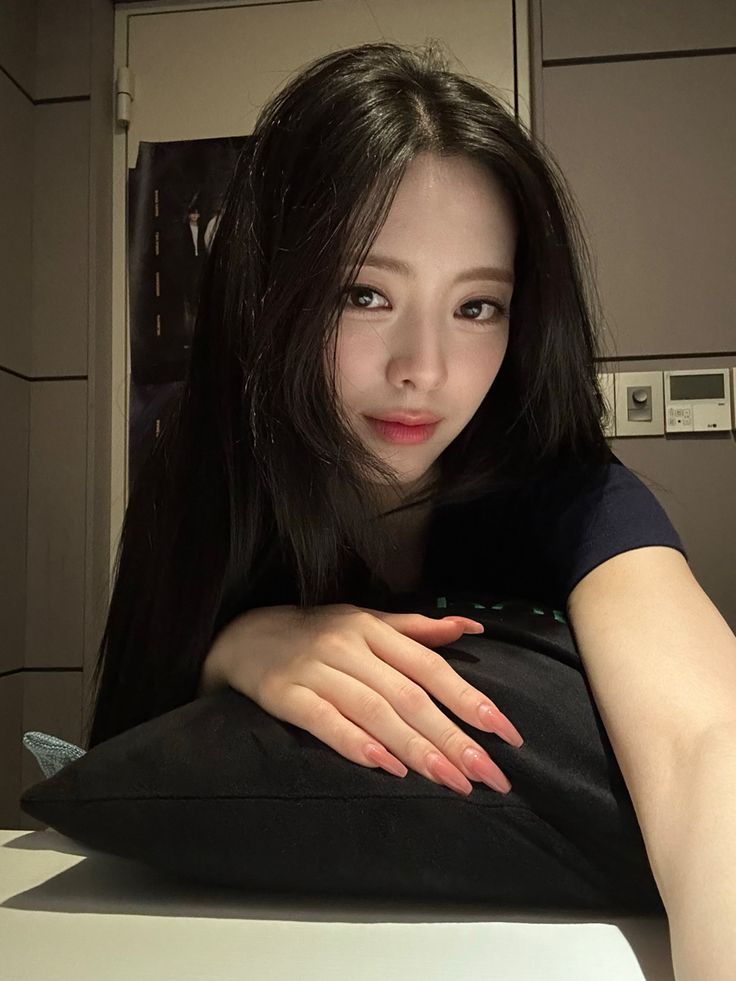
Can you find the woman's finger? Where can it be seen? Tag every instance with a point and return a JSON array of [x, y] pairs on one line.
[[401, 715], [365, 707], [432, 672], [415, 622], [301, 707]]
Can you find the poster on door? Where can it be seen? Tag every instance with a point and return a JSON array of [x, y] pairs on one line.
[[175, 197]]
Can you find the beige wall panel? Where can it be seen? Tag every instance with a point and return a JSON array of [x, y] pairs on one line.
[[16, 189], [99, 386], [14, 437], [188, 102], [62, 48], [56, 524], [698, 476], [650, 171], [51, 703], [60, 239], [11, 724], [535, 68], [18, 41], [585, 28]]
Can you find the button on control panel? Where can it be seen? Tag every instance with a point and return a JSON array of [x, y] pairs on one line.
[[682, 417]]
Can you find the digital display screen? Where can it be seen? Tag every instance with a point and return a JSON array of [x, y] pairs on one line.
[[697, 387]]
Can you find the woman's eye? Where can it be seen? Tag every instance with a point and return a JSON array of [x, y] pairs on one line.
[[362, 293], [498, 308]]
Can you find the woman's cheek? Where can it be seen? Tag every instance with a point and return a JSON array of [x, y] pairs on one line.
[[360, 352], [480, 365], [354, 362]]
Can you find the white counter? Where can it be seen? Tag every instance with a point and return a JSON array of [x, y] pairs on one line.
[[72, 914]]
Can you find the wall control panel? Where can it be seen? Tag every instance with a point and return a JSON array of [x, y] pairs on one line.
[[639, 403], [697, 400], [654, 403]]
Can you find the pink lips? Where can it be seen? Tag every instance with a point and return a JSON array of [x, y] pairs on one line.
[[396, 432], [408, 418]]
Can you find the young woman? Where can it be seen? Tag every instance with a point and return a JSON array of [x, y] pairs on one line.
[[267, 475], [394, 244]]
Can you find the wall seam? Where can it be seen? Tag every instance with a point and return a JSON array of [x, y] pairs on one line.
[[638, 56]]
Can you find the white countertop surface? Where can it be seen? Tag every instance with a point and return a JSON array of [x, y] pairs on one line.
[[72, 914]]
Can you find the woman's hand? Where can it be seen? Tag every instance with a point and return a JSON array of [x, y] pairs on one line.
[[357, 679]]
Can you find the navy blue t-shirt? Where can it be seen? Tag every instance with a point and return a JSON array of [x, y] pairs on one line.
[[537, 543]]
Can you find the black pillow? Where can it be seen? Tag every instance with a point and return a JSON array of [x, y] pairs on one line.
[[222, 792]]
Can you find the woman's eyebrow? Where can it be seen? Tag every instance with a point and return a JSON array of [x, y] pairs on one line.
[[480, 272]]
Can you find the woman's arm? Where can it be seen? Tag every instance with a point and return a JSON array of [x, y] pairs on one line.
[[700, 868], [661, 662], [213, 675]]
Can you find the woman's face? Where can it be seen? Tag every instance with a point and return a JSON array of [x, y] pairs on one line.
[[430, 338]]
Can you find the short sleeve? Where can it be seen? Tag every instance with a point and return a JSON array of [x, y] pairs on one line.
[[581, 516], [538, 540]]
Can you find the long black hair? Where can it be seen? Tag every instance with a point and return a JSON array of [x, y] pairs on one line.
[[255, 462]]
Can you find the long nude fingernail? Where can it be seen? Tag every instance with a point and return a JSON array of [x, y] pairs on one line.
[[484, 768], [441, 769], [469, 626], [377, 754], [498, 722]]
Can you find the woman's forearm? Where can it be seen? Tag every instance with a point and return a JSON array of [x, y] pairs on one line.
[[213, 674], [699, 874]]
